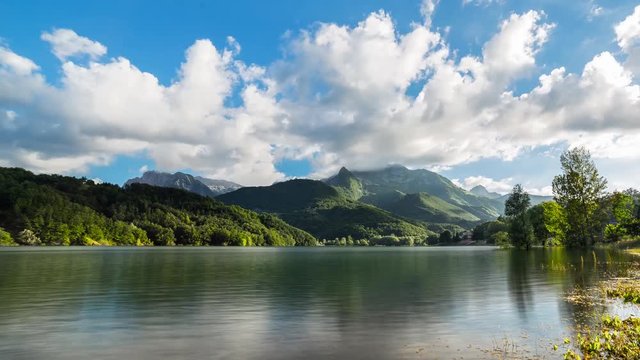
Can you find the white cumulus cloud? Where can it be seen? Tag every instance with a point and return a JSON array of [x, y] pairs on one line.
[[501, 186], [339, 96], [628, 31], [66, 43]]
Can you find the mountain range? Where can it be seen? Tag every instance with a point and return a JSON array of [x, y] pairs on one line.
[[393, 200], [420, 195], [195, 184], [482, 191], [323, 211]]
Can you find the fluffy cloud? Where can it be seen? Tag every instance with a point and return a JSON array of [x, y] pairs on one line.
[[502, 186], [341, 95], [427, 9], [105, 109], [628, 37], [66, 43], [628, 31], [351, 83], [15, 63], [351, 97]]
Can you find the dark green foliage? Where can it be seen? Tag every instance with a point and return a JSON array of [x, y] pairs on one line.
[[633, 227], [284, 197], [57, 210], [321, 210], [486, 231], [536, 218], [515, 208], [438, 228], [446, 237]]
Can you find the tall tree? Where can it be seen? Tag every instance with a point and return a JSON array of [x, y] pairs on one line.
[[578, 190], [515, 208]]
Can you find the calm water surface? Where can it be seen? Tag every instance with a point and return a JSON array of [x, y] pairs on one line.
[[298, 303]]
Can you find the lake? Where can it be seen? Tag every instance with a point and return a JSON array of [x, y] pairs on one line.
[[291, 303]]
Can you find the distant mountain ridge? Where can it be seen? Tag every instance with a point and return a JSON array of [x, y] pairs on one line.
[[322, 210], [420, 195], [199, 185], [219, 187], [535, 199], [482, 191]]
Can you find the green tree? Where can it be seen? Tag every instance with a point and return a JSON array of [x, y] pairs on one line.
[[579, 190], [515, 208], [501, 238], [633, 228], [555, 220], [622, 207], [536, 217], [446, 237], [5, 238], [619, 215], [548, 221], [485, 231]]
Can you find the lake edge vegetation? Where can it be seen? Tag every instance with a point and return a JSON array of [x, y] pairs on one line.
[[582, 214]]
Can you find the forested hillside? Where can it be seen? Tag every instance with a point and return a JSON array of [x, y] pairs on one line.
[[58, 210], [323, 211]]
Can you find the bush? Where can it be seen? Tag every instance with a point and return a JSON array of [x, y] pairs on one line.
[[5, 238], [501, 239], [27, 237]]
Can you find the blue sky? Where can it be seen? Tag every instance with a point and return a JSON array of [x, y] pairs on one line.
[[336, 124]]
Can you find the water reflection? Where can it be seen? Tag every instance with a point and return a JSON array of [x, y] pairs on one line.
[[519, 287], [285, 303]]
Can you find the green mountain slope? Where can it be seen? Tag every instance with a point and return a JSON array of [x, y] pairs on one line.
[[423, 181], [347, 184], [416, 194], [284, 197], [431, 209], [322, 210], [58, 210]]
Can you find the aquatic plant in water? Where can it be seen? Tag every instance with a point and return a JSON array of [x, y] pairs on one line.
[[616, 339]]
